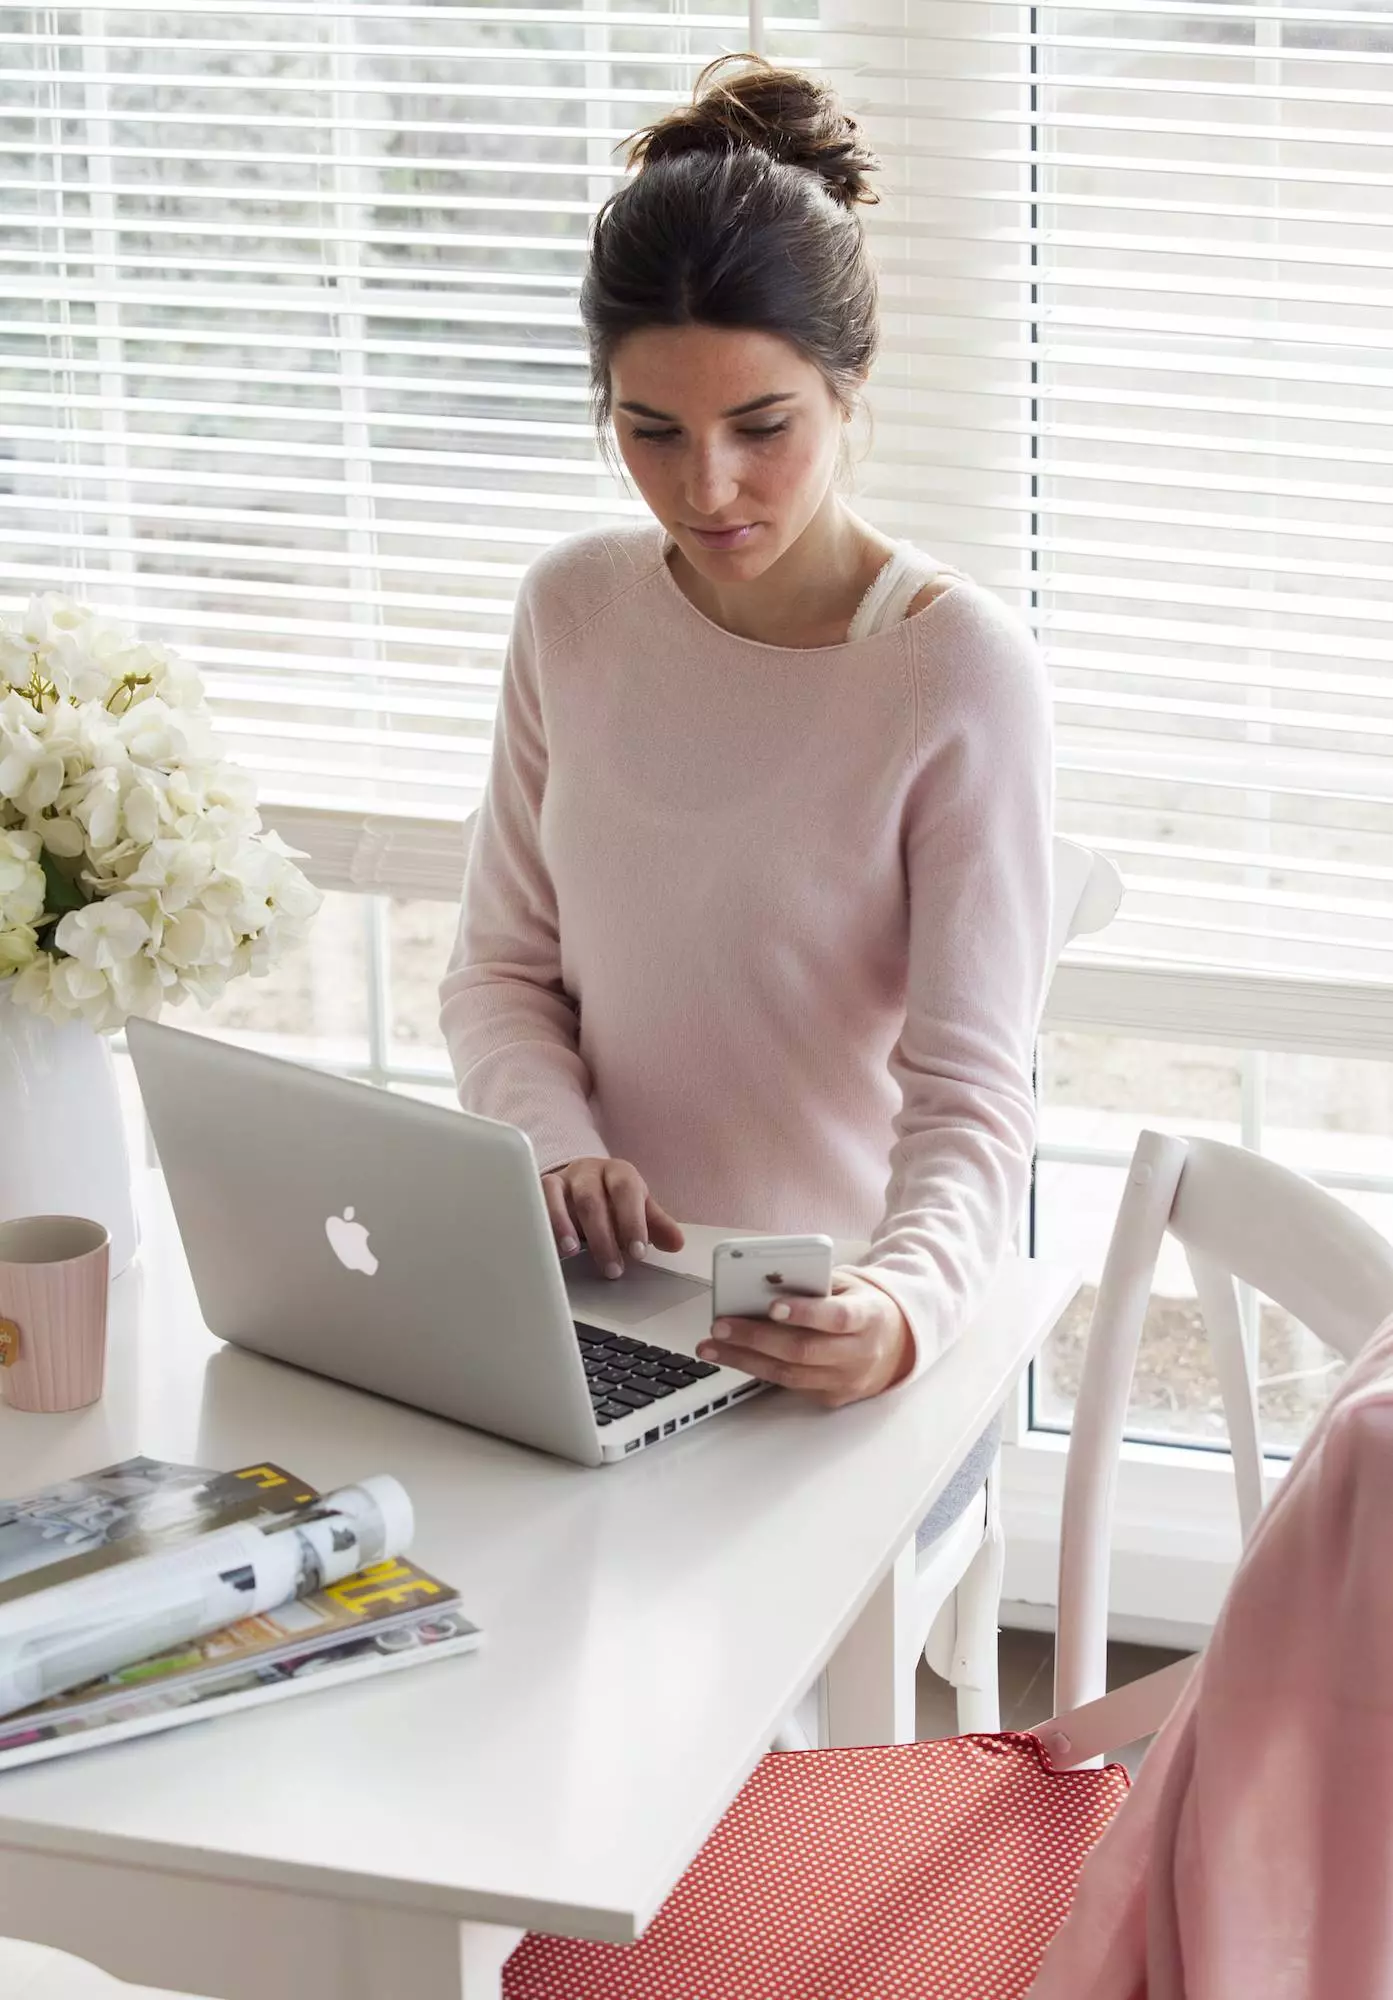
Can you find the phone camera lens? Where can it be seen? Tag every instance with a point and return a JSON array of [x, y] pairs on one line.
[[737, 1253]]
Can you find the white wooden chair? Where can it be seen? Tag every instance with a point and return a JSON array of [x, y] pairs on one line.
[[1242, 1220], [946, 1866]]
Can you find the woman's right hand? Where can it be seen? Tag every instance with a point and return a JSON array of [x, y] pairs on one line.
[[605, 1204]]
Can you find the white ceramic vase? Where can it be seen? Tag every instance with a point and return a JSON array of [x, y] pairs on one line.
[[62, 1138]]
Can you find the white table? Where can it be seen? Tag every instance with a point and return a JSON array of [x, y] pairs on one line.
[[648, 1627]]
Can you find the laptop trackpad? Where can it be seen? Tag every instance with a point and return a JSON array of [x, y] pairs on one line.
[[644, 1291]]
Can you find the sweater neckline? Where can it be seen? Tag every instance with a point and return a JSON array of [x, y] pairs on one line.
[[664, 543]]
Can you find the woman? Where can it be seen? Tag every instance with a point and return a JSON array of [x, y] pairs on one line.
[[756, 914]]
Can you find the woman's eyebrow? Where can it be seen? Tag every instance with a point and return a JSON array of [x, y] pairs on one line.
[[761, 403], [740, 410]]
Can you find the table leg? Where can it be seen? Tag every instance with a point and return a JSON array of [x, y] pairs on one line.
[[430, 1958], [231, 1941], [484, 1951], [870, 1677]]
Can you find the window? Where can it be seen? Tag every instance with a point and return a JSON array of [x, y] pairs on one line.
[[1136, 260], [290, 367], [290, 371]]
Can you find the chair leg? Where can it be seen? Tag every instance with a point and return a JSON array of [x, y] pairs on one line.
[[977, 1603], [804, 1727]]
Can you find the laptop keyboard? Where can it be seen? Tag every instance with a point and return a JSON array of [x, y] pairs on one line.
[[626, 1375]]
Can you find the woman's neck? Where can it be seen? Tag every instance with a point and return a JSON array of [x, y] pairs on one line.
[[808, 597]]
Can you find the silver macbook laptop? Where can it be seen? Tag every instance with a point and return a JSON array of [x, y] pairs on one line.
[[406, 1249]]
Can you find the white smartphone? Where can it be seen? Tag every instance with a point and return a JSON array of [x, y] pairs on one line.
[[749, 1273]]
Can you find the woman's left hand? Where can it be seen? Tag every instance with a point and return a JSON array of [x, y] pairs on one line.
[[837, 1350]]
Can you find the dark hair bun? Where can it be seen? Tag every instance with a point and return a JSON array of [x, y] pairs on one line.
[[781, 112]]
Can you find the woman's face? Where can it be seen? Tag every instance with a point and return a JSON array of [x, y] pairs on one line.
[[731, 436]]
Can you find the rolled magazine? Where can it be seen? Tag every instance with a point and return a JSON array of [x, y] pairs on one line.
[[72, 1632]]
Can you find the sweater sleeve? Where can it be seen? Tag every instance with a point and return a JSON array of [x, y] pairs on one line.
[[511, 1027], [977, 848]]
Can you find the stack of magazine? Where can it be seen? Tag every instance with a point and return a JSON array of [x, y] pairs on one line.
[[387, 1616]]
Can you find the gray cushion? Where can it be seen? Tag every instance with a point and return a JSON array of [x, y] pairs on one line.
[[962, 1489]]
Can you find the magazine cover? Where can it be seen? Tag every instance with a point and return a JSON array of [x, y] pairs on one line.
[[131, 1509], [169, 1704], [377, 1601]]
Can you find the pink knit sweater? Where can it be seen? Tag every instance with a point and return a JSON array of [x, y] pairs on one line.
[[771, 923]]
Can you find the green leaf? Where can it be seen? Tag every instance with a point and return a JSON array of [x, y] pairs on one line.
[[62, 891]]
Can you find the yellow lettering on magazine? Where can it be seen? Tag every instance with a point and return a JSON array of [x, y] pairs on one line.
[[390, 1582]]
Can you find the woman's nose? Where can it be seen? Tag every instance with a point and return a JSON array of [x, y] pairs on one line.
[[711, 484]]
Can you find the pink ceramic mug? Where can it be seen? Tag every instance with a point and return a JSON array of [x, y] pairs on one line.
[[53, 1285]]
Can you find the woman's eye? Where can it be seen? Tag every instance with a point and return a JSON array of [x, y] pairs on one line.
[[655, 437], [763, 430]]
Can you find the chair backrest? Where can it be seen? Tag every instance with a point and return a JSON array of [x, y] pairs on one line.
[[1087, 893], [1241, 1219]]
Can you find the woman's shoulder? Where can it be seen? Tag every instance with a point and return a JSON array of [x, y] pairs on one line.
[[964, 635], [582, 575], [978, 671]]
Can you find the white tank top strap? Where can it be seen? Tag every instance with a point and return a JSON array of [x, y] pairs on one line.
[[897, 583]]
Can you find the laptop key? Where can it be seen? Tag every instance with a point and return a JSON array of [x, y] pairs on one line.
[[632, 1398], [622, 1344], [675, 1379], [612, 1410], [703, 1368], [652, 1385]]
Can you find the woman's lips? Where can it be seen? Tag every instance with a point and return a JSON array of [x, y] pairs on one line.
[[723, 538]]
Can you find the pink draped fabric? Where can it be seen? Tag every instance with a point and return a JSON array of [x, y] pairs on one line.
[[1253, 1858]]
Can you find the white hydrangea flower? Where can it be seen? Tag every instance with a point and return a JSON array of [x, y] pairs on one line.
[[194, 939], [22, 892], [104, 934], [18, 946], [109, 764], [22, 885], [62, 836], [31, 768]]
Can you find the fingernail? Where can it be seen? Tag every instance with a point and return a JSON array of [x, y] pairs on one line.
[[707, 1352], [614, 1270], [637, 1249], [569, 1246], [720, 1329], [778, 1312]]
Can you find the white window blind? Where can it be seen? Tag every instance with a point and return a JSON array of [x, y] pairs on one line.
[[290, 366], [290, 371], [1139, 265]]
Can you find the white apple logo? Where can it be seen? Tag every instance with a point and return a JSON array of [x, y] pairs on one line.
[[349, 1242]]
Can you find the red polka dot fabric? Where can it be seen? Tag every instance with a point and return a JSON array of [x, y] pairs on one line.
[[924, 1871]]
